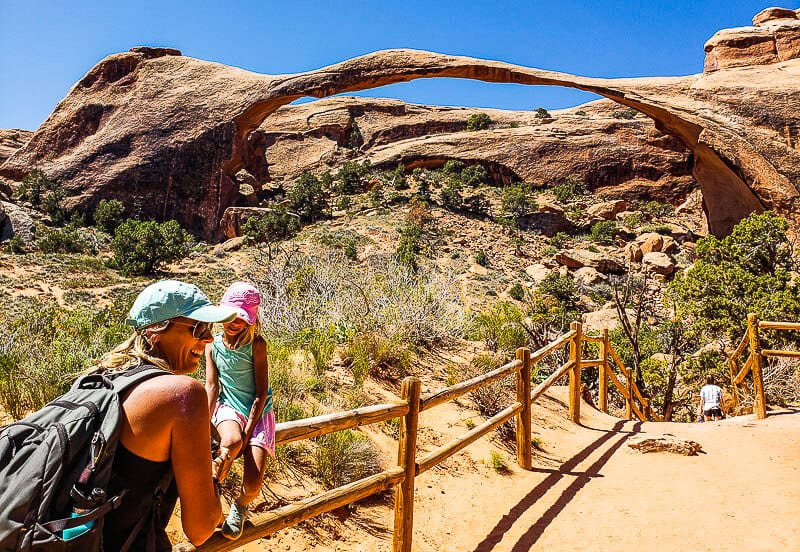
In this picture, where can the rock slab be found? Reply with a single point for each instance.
(665, 443)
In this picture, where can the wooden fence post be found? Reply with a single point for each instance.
(602, 374)
(575, 374)
(524, 454)
(759, 402)
(629, 401)
(406, 459)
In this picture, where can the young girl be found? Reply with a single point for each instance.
(237, 384)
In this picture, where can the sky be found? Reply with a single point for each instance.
(46, 46)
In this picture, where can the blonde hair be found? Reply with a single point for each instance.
(137, 349)
(247, 335)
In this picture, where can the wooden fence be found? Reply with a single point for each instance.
(755, 360)
(411, 403)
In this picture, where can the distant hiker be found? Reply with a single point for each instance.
(102, 467)
(711, 400)
(237, 385)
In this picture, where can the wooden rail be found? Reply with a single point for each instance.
(409, 465)
(755, 361)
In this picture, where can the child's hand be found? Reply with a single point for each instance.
(221, 464)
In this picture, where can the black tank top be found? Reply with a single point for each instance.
(141, 478)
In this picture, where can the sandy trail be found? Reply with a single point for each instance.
(590, 491)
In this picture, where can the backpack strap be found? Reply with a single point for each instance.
(137, 374)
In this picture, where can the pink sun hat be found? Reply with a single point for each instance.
(245, 299)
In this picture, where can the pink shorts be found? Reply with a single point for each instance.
(264, 432)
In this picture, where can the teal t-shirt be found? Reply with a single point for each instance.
(237, 376)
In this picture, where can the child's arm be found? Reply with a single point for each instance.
(261, 374)
(212, 380)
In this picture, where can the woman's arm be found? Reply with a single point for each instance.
(261, 374)
(190, 452)
(212, 380)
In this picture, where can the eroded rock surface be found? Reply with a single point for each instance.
(665, 443)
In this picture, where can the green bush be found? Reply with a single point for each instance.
(68, 239)
(35, 184)
(572, 187)
(542, 113)
(350, 178)
(140, 247)
(399, 180)
(109, 214)
(375, 195)
(559, 240)
(580, 112)
(307, 198)
(500, 328)
(517, 292)
(453, 167)
(633, 219)
(603, 232)
(516, 201)
(274, 225)
(450, 196)
(625, 114)
(344, 240)
(481, 258)
(478, 121)
(409, 245)
(16, 246)
(345, 456)
(657, 210)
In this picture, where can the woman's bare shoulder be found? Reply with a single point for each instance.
(169, 393)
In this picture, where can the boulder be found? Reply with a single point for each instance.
(588, 276)
(650, 242)
(659, 263)
(16, 222)
(228, 246)
(537, 272)
(547, 223)
(549, 207)
(578, 258)
(774, 39)
(773, 14)
(665, 443)
(606, 210)
(602, 319)
(633, 252)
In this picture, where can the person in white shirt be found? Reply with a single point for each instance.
(711, 400)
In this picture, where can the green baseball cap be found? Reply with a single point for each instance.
(169, 299)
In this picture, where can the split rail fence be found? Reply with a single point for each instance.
(410, 465)
(755, 360)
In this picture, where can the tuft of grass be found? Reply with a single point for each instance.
(469, 423)
(499, 464)
(343, 457)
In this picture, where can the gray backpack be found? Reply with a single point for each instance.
(55, 466)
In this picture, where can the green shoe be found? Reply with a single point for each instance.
(234, 523)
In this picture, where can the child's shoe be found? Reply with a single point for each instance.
(234, 523)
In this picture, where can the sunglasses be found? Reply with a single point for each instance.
(200, 330)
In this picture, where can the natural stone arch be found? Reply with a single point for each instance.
(194, 118)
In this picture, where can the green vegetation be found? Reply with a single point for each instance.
(603, 232)
(572, 187)
(657, 210)
(351, 177)
(343, 457)
(478, 121)
(140, 247)
(34, 185)
(344, 240)
(307, 198)
(481, 258)
(542, 113)
(625, 114)
(450, 196)
(498, 461)
(559, 240)
(109, 214)
(516, 202)
(69, 239)
(274, 225)
(517, 291)
(410, 244)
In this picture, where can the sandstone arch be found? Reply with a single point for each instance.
(173, 130)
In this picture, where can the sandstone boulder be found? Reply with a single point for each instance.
(650, 242)
(659, 263)
(665, 443)
(606, 210)
(230, 245)
(633, 252)
(579, 258)
(549, 207)
(16, 221)
(537, 272)
(602, 319)
(773, 14)
(588, 276)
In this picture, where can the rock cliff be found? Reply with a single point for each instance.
(168, 133)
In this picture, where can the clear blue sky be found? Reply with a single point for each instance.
(46, 46)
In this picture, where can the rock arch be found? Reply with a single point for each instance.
(187, 122)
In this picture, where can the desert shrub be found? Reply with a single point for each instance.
(478, 121)
(603, 232)
(35, 184)
(542, 113)
(515, 201)
(342, 203)
(350, 178)
(498, 462)
(307, 198)
(500, 327)
(549, 251)
(580, 112)
(517, 292)
(345, 456)
(633, 219)
(343, 240)
(43, 349)
(625, 114)
(450, 195)
(69, 239)
(109, 214)
(481, 258)
(16, 245)
(398, 180)
(572, 187)
(140, 247)
(385, 358)
(492, 398)
(454, 167)
(376, 195)
(409, 245)
(559, 240)
(657, 209)
(474, 175)
(274, 225)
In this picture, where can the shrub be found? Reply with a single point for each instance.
(559, 240)
(603, 232)
(16, 246)
(625, 114)
(343, 240)
(276, 224)
(65, 240)
(572, 187)
(500, 328)
(453, 167)
(34, 185)
(345, 456)
(656, 209)
(478, 121)
(580, 112)
(633, 219)
(399, 180)
(498, 462)
(481, 258)
(517, 292)
(542, 113)
(307, 198)
(109, 214)
(371, 354)
(375, 195)
(140, 247)
(474, 176)
(349, 179)
(515, 202)
(477, 204)
(562, 288)
(450, 196)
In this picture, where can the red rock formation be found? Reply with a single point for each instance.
(168, 133)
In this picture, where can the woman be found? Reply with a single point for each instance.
(166, 428)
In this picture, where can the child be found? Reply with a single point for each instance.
(237, 384)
